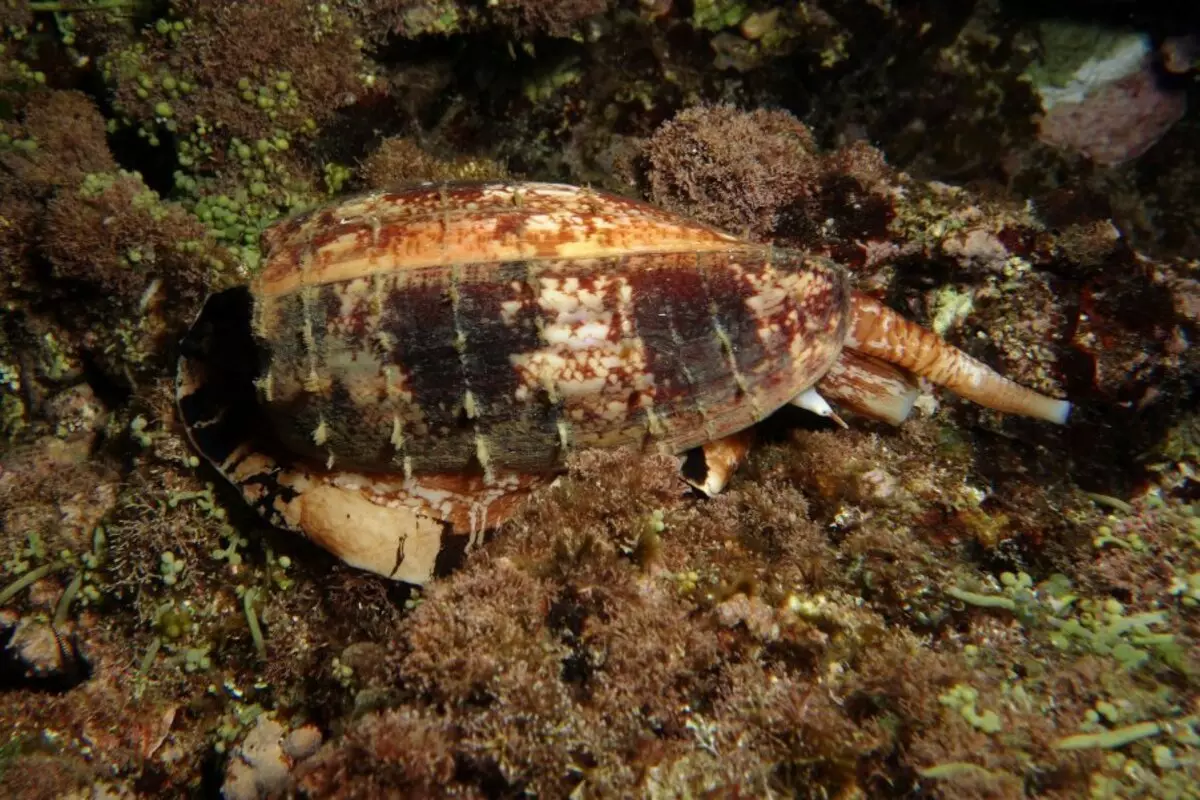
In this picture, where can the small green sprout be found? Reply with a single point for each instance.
(249, 596)
(196, 659)
(1187, 589)
(342, 673)
(963, 699)
(137, 429)
(230, 553)
(686, 582)
(414, 600)
(171, 567)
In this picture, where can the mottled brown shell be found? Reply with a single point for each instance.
(409, 364)
(495, 327)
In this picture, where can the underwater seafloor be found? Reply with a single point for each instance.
(968, 605)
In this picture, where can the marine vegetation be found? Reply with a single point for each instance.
(968, 604)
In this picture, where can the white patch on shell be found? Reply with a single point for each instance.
(775, 291)
(510, 309)
(580, 361)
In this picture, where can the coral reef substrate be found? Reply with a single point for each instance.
(966, 606)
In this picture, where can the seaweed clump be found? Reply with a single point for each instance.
(399, 160)
(552, 17)
(615, 640)
(95, 259)
(524, 18)
(64, 136)
(590, 627)
(53, 144)
(217, 70)
(114, 234)
(760, 173)
(734, 169)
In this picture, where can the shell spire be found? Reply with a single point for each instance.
(878, 331)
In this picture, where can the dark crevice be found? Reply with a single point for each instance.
(156, 165)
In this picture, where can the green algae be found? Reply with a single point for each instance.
(963, 699)
(1068, 45)
(713, 15)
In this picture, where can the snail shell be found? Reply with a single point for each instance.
(408, 362)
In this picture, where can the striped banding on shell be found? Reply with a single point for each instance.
(870, 387)
(876, 330)
(409, 363)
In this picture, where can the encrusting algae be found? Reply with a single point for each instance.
(968, 604)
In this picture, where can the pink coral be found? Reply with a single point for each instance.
(1115, 122)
